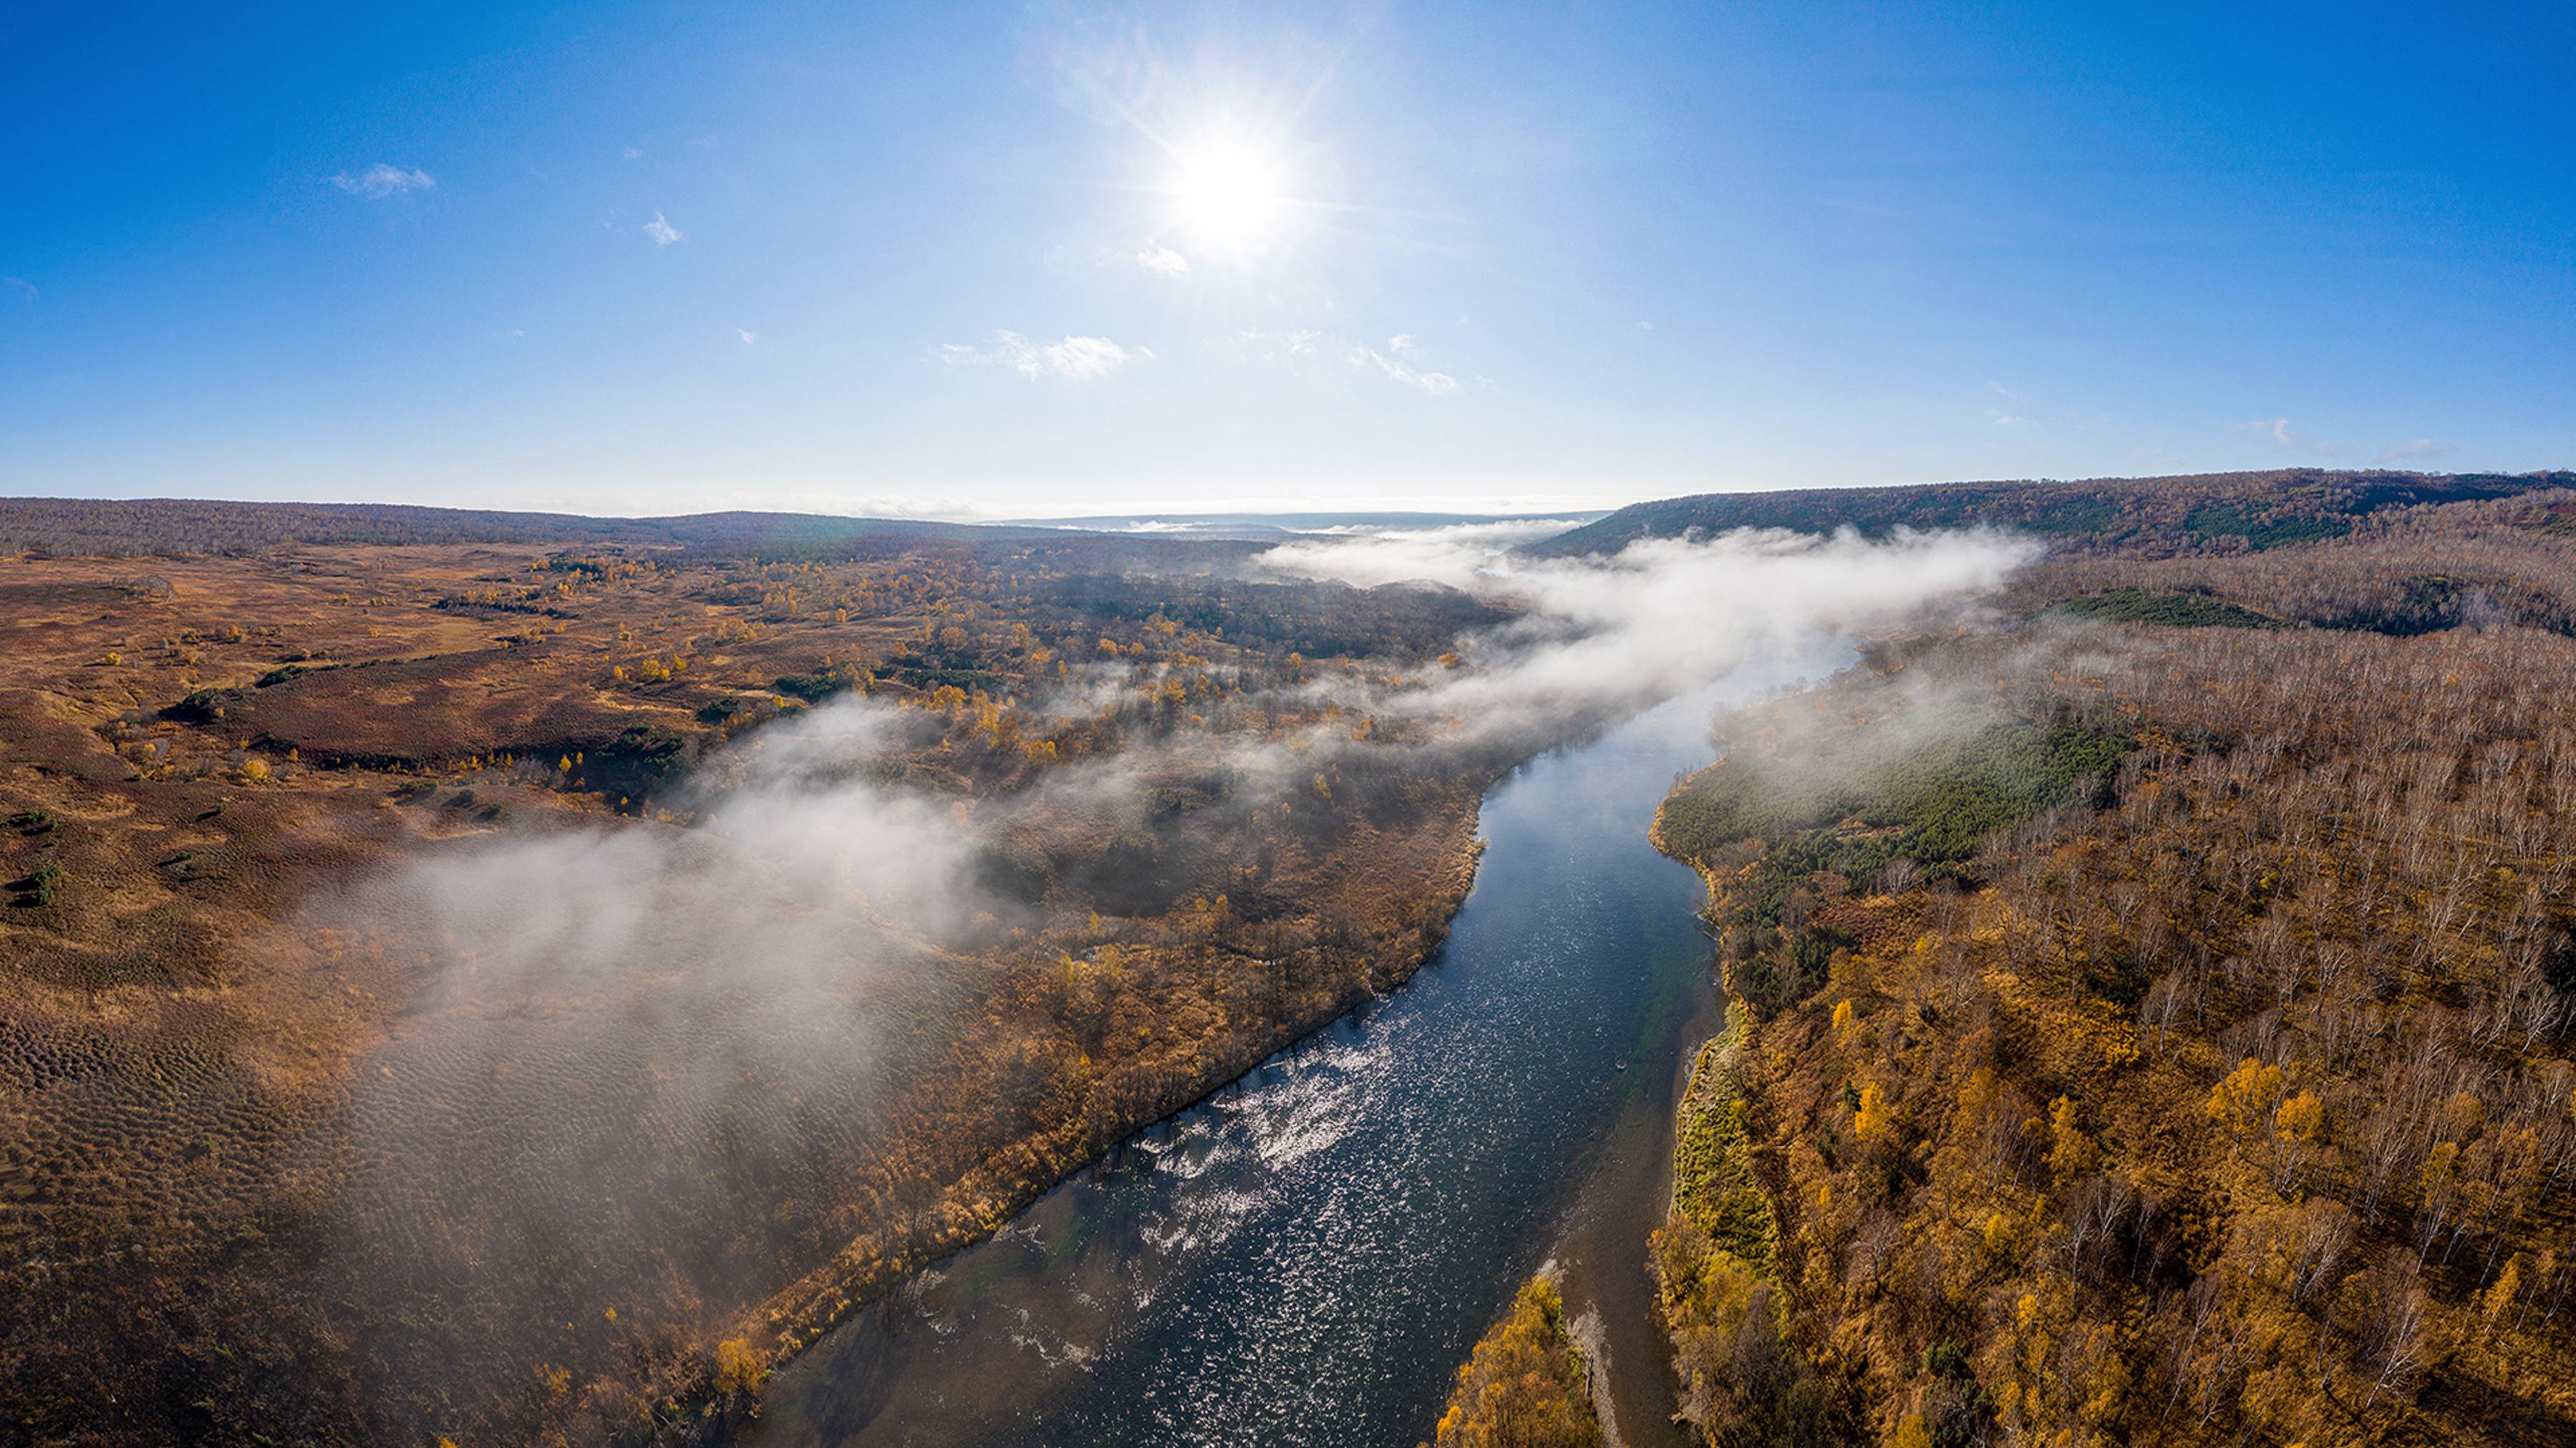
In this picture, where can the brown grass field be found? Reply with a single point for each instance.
(278, 1164)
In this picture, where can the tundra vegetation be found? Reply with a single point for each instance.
(288, 1158)
(2150, 1004)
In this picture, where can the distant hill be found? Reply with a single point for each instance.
(1278, 527)
(112, 527)
(178, 527)
(187, 527)
(2206, 512)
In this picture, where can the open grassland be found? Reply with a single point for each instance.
(288, 1156)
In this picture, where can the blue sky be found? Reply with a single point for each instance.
(1000, 260)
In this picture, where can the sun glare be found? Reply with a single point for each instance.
(1229, 194)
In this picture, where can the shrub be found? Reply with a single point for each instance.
(204, 706)
(738, 1368)
(2168, 610)
(42, 886)
(812, 688)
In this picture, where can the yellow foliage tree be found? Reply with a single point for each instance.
(1526, 1385)
(2071, 1153)
(1872, 1122)
(2301, 1118)
(738, 1368)
(1998, 1232)
(2508, 1286)
(2247, 1096)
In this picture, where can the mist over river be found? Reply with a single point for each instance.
(1306, 1257)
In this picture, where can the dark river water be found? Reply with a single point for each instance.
(1306, 1257)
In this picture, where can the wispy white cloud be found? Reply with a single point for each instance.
(2007, 411)
(380, 181)
(2422, 447)
(662, 231)
(1076, 359)
(634, 154)
(1162, 261)
(1084, 358)
(749, 337)
(1438, 384)
(1645, 326)
(1399, 361)
(1293, 345)
(2279, 430)
(21, 286)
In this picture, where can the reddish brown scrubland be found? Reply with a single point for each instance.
(281, 1162)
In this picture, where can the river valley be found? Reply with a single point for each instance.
(1306, 1257)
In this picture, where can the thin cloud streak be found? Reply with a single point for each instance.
(1075, 359)
(1438, 384)
(380, 181)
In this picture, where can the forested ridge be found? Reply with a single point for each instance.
(2215, 513)
(2151, 1011)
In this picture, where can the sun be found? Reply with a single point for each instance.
(1229, 194)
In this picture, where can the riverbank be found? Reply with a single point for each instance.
(777, 1331)
(1308, 1255)
(1601, 1256)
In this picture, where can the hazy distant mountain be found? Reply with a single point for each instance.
(1264, 527)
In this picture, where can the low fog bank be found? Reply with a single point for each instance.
(1599, 638)
(642, 1066)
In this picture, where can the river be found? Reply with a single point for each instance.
(1307, 1256)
